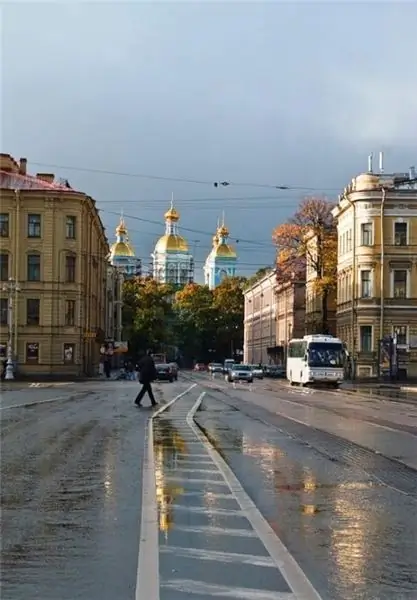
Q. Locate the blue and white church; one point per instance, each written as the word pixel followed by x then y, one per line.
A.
pixel 222 260
pixel 172 261
pixel 122 254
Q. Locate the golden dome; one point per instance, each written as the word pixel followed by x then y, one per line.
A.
pixel 224 251
pixel 223 231
pixel 171 243
pixel 121 249
pixel 172 215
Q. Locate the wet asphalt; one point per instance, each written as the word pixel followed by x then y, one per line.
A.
pixel 330 473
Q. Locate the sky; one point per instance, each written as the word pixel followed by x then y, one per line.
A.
pixel 135 101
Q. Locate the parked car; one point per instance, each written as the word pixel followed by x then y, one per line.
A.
pixel 174 369
pixel 257 371
pixel 240 373
pixel 200 367
pixel 164 373
pixel 275 371
pixel 215 368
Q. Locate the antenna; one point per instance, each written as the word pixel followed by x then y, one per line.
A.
pixel 381 162
pixel 370 159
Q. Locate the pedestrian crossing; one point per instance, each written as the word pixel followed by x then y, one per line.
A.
pixel 208 545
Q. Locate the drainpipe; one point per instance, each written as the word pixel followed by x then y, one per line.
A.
pixel 381 321
pixel 17 276
pixel 354 291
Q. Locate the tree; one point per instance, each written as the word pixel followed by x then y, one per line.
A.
pixel 195 321
pixel 147 313
pixel 228 302
pixel 309 238
pixel 255 278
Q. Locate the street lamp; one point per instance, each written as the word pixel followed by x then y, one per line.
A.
pixel 11 287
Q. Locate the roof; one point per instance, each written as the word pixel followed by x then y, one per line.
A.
pixel 224 251
pixel 171 243
pixel 15 181
pixel 121 249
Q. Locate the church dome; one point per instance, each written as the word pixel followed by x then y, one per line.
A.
pixel 172 215
pixel 171 243
pixel 121 249
pixel 224 251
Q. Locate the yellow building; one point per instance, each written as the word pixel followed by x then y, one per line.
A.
pixel 377 269
pixel 320 303
pixel 53 246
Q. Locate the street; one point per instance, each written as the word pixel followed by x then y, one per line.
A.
pixel 260 493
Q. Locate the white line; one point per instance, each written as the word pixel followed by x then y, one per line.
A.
pixel 188 586
pixel 35 402
pixel 292 572
pixel 215 555
pixel 206 511
pixel 147 576
pixel 212 530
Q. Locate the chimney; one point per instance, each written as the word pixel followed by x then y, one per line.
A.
pixel 48 177
pixel 23 162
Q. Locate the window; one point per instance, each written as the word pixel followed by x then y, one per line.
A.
pixel 366 234
pixel 70 313
pixel 70 262
pixel 366 287
pixel 33 309
pixel 70 227
pixel 402 337
pixel 32 352
pixel 69 353
pixel 34 226
pixel 34 267
pixel 400 283
pixel 4 266
pixel 366 338
pixel 4 311
pixel 400 234
pixel 4 225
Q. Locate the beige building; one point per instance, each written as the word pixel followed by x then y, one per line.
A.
pixel 273 315
pixel 377 269
pixel 53 249
pixel 320 313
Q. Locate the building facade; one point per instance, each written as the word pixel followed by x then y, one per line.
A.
pixel 122 253
pixel 377 269
pixel 172 261
pixel 221 262
pixel 320 304
pixel 259 320
pixel 274 314
pixel 53 271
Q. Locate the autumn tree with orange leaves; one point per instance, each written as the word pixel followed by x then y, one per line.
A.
pixel 309 239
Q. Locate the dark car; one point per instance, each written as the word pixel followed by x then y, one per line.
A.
pixel 174 369
pixel 164 373
pixel 275 371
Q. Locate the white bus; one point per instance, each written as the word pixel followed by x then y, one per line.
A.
pixel 316 359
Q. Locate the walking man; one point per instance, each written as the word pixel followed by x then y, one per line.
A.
pixel 147 374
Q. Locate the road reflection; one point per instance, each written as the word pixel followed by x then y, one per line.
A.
pixel 169 447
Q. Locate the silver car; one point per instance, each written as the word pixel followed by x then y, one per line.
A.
pixel 257 372
pixel 240 373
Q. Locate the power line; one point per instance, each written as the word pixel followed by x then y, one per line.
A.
pixel 198 231
pixel 182 179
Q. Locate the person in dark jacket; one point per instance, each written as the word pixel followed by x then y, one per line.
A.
pixel 147 374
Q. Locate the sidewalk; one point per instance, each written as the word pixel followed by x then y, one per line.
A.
pixel 399 387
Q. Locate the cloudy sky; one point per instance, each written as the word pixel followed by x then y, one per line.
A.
pixel 134 101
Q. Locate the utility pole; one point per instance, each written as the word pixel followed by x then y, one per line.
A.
pixel 12 288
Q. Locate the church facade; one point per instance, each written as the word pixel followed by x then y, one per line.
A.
pixel 222 260
pixel 122 255
pixel 172 262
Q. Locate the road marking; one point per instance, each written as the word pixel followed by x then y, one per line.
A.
pixel 35 402
pixel 211 530
pixel 209 471
pixel 284 561
pixel 207 511
pixel 223 557
pixel 147 576
pixel 203 480
pixel 188 586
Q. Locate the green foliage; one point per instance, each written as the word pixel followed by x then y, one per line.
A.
pixel 202 324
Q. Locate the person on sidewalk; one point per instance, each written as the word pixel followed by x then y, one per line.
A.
pixel 147 374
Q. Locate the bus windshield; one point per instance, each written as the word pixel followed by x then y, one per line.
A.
pixel 322 354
